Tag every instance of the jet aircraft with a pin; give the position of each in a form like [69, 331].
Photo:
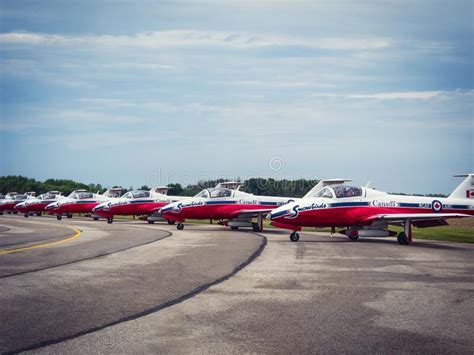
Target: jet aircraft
[81, 201]
[366, 212]
[38, 204]
[135, 203]
[226, 203]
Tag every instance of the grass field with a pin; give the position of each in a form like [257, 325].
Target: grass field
[458, 230]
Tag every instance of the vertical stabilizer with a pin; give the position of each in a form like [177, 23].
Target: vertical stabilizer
[465, 188]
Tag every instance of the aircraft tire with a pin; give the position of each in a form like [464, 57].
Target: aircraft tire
[234, 228]
[59, 217]
[294, 237]
[39, 214]
[151, 222]
[256, 227]
[180, 226]
[171, 222]
[110, 220]
[27, 215]
[353, 237]
[69, 215]
[403, 239]
[96, 218]
[15, 212]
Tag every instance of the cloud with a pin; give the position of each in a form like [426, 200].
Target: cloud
[408, 95]
[191, 38]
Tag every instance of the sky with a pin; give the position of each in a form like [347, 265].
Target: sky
[155, 92]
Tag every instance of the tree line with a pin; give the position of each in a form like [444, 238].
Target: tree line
[257, 186]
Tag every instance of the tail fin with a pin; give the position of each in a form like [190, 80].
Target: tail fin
[465, 188]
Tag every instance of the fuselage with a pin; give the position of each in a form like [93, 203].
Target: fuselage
[134, 203]
[11, 200]
[219, 204]
[38, 204]
[77, 202]
[343, 211]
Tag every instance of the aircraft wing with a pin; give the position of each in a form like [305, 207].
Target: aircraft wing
[251, 213]
[418, 219]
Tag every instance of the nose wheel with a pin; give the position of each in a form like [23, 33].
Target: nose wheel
[294, 237]
[110, 220]
[180, 226]
[59, 217]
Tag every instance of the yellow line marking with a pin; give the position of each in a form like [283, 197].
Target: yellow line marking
[9, 251]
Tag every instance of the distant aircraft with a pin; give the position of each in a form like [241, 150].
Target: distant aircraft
[12, 199]
[38, 204]
[365, 212]
[227, 203]
[81, 201]
[136, 203]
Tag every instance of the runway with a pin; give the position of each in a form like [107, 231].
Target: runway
[131, 287]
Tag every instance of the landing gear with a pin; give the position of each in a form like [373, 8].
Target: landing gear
[180, 226]
[150, 221]
[15, 212]
[27, 214]
[171, 222]
[353, 237]
[95, 218]
[294, 236]
[403, 239]
[256, 227]
[39, 214]
[69, 215]
[110, 220]
[234, 228]
[59, 217]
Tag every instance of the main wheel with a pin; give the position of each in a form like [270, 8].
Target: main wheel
[110, 220]
[59, 217]
[171, 222]
[151, 222]
[69, 215]
[96, 218]
[180, 226]
[27, 215]
[256, 227]
[294, 237]
[39, 214]
[234, 228]
[15, 212]
[353, 237]
[403, 239]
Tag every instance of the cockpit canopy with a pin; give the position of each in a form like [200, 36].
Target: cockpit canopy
[215, 193]
[137, 194]
[82, 195]
[48, 195]
[339, 191]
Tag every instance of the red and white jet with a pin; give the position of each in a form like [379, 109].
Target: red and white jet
[227, 203]
[80, 201]
[38, 204]
[137, 203]
[12, 199]
[365, 212]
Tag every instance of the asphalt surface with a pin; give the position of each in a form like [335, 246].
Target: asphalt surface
[210, 290]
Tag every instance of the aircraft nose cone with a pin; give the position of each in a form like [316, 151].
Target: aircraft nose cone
[172, 207]
[52, 206]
